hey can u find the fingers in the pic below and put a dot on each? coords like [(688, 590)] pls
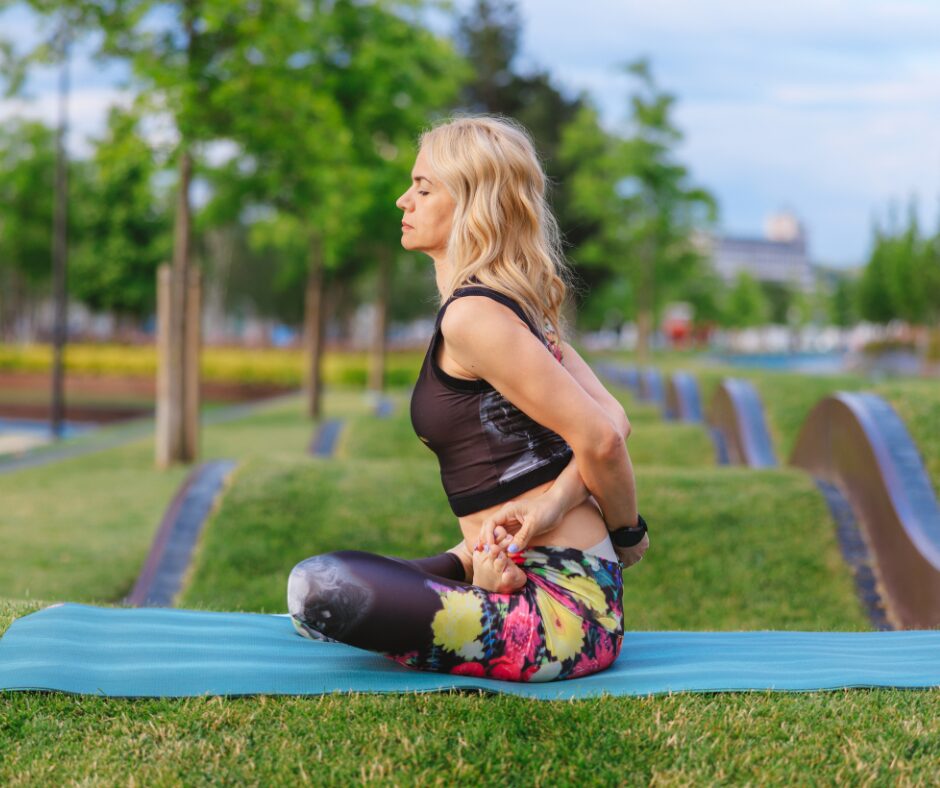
[(493, 531), (520, 540), (485, 536)]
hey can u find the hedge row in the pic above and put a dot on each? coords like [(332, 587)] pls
[(236, 365)]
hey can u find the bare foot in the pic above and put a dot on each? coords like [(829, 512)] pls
[(494, 571)]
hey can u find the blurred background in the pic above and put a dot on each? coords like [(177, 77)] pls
[(748, 183)]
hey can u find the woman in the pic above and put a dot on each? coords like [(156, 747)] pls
[(524, 433)]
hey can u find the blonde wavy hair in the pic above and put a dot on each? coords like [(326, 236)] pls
[(503, 234)]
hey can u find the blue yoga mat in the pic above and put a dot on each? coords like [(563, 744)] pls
[(157, 652)]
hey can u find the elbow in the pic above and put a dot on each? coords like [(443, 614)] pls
[(624, 426), (610, 445), (621, 422)]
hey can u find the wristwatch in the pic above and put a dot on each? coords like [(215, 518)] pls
[(628, 536)]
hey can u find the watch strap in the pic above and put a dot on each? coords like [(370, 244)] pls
[(628, 536)]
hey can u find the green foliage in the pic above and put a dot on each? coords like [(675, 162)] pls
[(746, 305), (636, 196), (706, 294), (843, 305), (126, 235), (779, 297), (488, 36), (27, 170), (902, 277), (327, 116), (608, 306)]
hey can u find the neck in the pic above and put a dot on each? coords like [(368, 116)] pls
[(443, 270)]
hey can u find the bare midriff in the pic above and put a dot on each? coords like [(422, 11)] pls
[(581, 527)]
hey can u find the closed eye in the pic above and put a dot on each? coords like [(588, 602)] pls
[(422, 192)]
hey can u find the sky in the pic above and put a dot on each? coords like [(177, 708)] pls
[(827, 108)]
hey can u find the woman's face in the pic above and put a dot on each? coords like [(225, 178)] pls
[(428, 211)]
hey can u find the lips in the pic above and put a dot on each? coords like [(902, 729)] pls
[(403, 225)]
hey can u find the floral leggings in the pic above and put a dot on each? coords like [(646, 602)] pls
[(566, 621)]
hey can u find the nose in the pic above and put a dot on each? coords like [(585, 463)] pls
[(403, 202)]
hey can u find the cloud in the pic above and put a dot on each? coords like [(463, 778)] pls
[(828, 106)]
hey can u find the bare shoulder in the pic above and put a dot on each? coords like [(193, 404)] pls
[(490, 341), (473, 316)]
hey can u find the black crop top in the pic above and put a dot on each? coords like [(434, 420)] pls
[(489, 450)]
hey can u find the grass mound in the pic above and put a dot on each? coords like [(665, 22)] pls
[(732, 549), (718, 534)]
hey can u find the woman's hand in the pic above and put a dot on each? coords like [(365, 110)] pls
[(523, 519), (630, 555)]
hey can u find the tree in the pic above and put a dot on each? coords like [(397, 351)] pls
[(126, 231), (747, 305), (906, 268), (177, 49), (69, 20), (488, 36), (705, 293), (398, 76), (639, 199), (780, 297), (874, 296), (327, 115), (27, 175), (843, 303)]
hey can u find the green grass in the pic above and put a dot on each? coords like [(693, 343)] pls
[(717, 535), (442, 739), (731, 549), (917, 402), (788, 399), (651, 442), (80, 529)]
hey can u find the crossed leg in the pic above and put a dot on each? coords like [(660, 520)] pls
[(371, 601)]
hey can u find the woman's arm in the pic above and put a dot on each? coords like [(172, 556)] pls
[(569, 489), (608, 474), (487, 339)]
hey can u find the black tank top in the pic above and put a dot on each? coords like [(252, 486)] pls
[(489, 450)]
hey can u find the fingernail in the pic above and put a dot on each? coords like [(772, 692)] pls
[(487, 548), (513, 548)]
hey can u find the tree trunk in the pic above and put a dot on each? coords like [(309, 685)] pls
[(7, 301), (645, 307), (644, 323), (60, 248), (175, 441), (313, 327), (379, 346)]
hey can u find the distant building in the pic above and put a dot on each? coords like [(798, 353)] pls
[(780, 256)]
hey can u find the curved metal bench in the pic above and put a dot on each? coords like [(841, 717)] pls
[(736, 414), (857, 443), (683, 402), (628, 377), (651, 386), (161, 578)]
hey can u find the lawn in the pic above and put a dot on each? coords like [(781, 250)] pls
[(731, 549), (788, 399), (80, 529)]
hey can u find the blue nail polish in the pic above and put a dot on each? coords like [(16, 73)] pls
[(513, 548), (486, 549)]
